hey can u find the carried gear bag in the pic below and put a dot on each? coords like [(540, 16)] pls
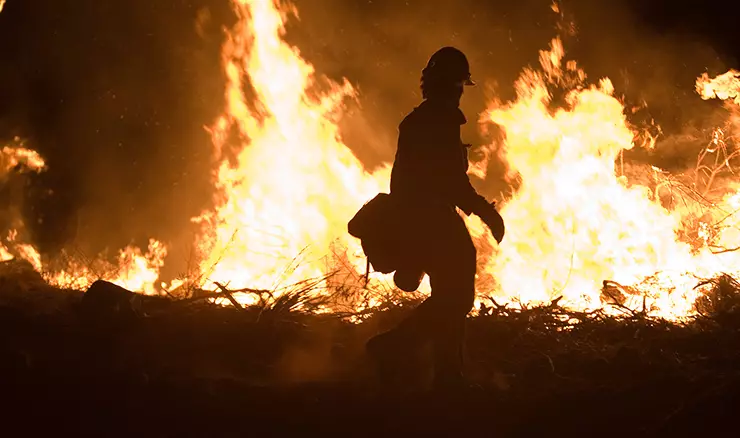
[(378, 226)]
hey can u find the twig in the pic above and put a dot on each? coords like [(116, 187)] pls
[(724, 250), (204, 295), (229, 296), (606, 290), (549, 359)]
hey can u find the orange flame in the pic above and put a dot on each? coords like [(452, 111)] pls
[(286, 185), (724, 87), (133, 269), (574, 223), (19, 156), (284, 203), (13, 158)]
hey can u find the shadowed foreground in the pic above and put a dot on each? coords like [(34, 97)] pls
[(202, 370)]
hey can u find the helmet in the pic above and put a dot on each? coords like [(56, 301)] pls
[(449, 63)]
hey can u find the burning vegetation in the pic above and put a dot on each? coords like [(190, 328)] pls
[(585, 230), (613, 271)]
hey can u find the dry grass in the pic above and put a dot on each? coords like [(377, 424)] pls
[(523, 354)]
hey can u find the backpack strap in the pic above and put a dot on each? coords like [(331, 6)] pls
[(367, 270)]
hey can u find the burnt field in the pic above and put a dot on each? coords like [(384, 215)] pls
[(194, 369)]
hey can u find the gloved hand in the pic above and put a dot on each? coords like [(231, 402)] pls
[(491, 217)]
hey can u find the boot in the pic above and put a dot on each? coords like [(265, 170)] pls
[(391, 354), (448, 367)]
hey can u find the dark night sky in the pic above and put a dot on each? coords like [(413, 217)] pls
[(116, 93)]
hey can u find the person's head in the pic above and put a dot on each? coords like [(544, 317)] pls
[(445, 75)]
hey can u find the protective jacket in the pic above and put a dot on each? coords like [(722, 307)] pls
[(432, 162)]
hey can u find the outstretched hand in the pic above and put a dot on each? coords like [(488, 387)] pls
[(493, 220)]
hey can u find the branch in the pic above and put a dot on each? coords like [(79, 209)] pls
[(724, 250), (229, 296)]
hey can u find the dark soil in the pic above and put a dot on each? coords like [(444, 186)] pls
[(203, 370)]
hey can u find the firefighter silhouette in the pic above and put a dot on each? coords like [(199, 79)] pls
[(428, 183)]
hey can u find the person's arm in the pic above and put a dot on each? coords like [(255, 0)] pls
[(448, 164)]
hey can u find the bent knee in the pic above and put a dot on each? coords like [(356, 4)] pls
[(463, 305)]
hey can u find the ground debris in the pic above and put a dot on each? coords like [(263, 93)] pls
[(537, 356)]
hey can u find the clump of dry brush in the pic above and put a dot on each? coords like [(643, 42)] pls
[(527, 350)]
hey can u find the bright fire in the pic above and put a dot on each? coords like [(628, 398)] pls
[(132, 269), (283, 204), (573, 222), (287, 185), (725, 86)]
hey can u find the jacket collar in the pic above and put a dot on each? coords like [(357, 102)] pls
[(444, 108)]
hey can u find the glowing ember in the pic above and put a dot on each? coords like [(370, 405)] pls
[(18, 156)]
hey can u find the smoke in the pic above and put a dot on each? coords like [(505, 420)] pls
[(381, 46), (115, 96)]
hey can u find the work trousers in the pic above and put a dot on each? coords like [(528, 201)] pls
[(441, 246)]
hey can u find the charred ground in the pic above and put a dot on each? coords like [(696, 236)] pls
[(188, 368)]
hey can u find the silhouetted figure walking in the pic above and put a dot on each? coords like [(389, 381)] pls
[(428, 182)]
